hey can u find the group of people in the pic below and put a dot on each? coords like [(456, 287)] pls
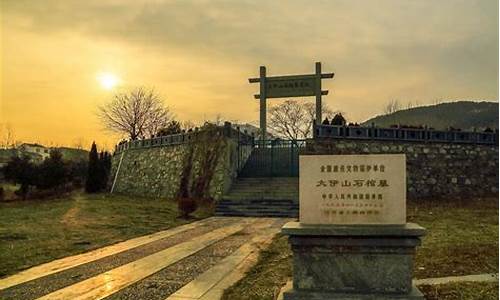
[(337, 120)]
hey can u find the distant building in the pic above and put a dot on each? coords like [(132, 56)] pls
[(36, 149)]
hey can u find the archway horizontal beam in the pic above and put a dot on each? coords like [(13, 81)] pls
[(324, 75), (324, 93)]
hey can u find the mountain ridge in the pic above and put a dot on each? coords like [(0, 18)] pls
[(465, 115)]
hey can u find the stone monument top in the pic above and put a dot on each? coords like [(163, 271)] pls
[(353, 189)]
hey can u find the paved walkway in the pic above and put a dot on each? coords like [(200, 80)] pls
[(471, 278), (193, 261)]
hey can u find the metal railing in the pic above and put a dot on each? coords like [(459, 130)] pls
[(270, 158), (405, 134), (180, 138)]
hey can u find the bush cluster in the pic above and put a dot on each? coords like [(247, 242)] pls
[(53, 174), (206, 148), (186, 206)]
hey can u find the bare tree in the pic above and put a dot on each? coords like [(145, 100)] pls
[(79, 143), (294, 120), (311, 112), (287, 120), (139, 113), (7, 136), (392, 106), (188, 124), (217, 120), (437, 101)]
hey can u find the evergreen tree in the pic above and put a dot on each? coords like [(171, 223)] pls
[(173, 127), (93, 181)]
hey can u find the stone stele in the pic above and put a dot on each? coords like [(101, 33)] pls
[(352, 241), (352, 189)]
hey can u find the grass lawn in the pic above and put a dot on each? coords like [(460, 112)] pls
[(462, 291), (462, 239), (9, 190), (265, 279), (9, 187), (34, 232)]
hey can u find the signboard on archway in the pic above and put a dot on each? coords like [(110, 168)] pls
[(289, 86)]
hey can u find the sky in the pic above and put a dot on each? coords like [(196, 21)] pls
[(198, 55)]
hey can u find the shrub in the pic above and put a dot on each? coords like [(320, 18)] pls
[(22, 171), (186, 206), (53, 172), (78, 172)]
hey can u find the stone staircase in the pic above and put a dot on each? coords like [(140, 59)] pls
[(271, 162), (261, 197)]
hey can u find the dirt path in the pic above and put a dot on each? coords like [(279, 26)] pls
[(70, 218)]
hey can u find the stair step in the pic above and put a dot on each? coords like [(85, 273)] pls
[(256, 207), (256, 203), (258, 200), (263, 214), (262, 196)]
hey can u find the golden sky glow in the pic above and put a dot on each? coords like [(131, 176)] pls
[(60, 59)]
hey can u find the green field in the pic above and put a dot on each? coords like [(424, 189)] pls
[(462, 239), (34, 232)]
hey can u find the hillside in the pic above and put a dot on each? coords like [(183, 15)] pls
[(73, 153), (465, 115)]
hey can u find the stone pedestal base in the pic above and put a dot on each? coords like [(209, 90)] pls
[(353, 262), (415, 294)]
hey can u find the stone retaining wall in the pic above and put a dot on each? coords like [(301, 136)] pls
[(157, 171), (434, 170)]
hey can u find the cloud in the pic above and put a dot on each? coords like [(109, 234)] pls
[(378, 49)]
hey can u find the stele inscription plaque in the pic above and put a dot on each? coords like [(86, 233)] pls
[(352, 189), (290, 86)]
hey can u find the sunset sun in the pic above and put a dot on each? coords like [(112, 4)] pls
[(107, 80)]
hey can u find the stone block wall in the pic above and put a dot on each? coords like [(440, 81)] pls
[(156, 171), (433, 170)]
